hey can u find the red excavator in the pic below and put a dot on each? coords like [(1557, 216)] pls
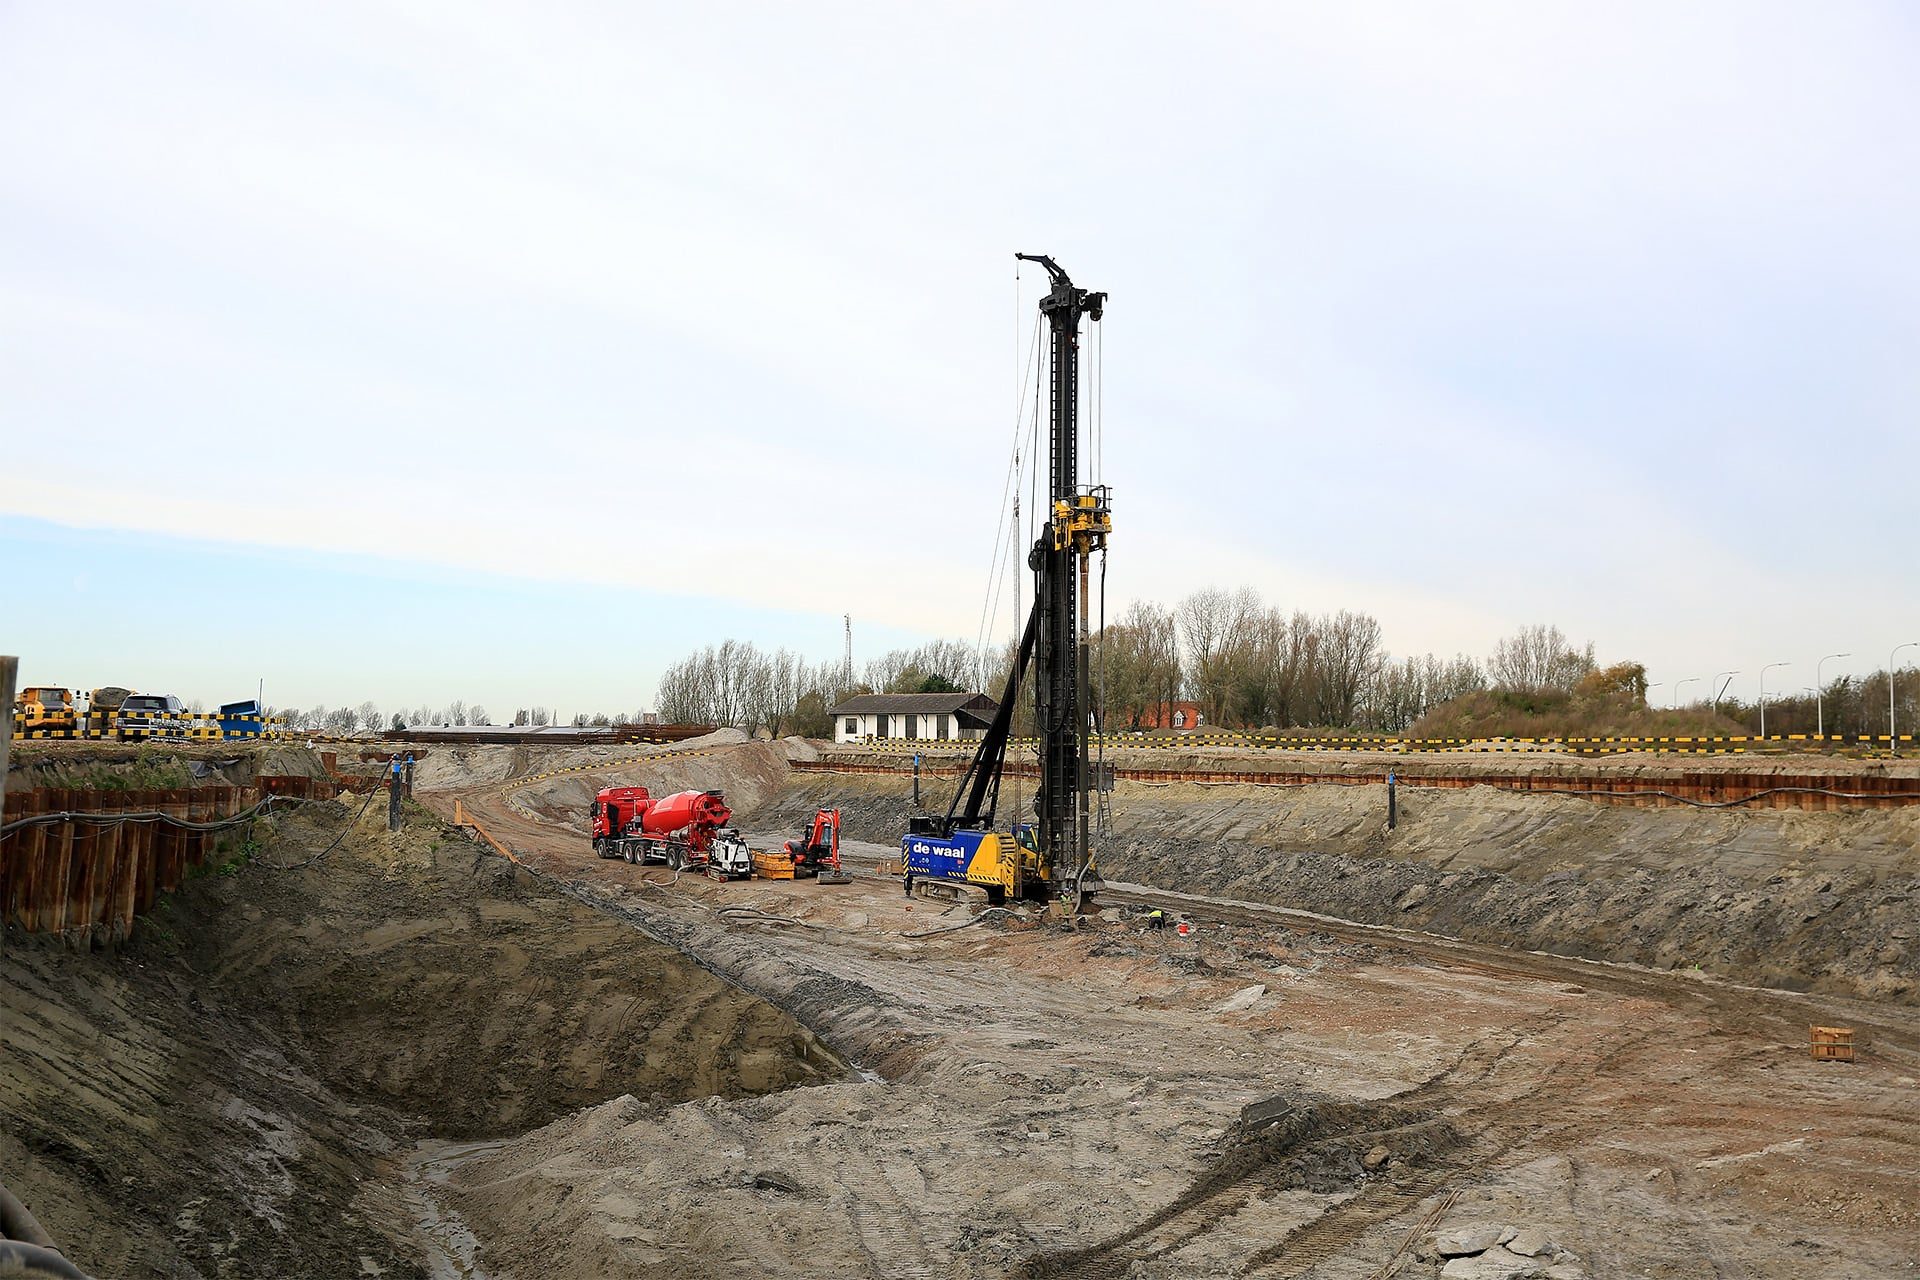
[(816, 850), (687, 831)]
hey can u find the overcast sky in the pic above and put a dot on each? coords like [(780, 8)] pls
[(412, 352)]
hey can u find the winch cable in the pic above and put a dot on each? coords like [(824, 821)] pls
[(1103, 798), (1010, 491)]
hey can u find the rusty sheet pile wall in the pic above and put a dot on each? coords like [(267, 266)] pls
[(115, 852)]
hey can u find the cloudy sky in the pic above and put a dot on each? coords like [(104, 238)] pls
[(421, 351)]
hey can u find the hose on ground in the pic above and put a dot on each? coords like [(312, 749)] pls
[(22, 1261), (351, 824), (965, 924), (26, 1250), (166, 819), (18, 1223), (741, 913)]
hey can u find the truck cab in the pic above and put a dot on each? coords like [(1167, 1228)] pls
[(611, 811)]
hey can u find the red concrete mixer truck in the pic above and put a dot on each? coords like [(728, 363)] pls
[(686, 831)]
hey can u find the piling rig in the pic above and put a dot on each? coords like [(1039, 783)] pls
[(960, 854)]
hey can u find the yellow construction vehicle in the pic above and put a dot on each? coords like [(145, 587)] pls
[(44, 711)]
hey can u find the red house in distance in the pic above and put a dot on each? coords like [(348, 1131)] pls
[(1171, 715)]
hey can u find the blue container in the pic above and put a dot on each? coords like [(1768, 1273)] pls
[(241, 719)]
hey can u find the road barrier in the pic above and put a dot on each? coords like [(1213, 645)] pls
[(1736, 744), (199, 727)]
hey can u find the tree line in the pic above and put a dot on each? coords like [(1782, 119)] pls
[(737, 683), (1246, 664)]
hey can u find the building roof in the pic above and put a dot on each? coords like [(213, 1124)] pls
[(925, 704)]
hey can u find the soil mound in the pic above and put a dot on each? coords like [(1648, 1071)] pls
[(749, 774)]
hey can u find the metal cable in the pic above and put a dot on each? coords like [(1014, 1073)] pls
[(351, 824), (1004, 553), (148, 815)]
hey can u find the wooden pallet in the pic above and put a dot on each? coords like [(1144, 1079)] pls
[(1832, 1044)]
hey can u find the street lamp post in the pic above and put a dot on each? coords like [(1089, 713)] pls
[(1763, 695), (1658, 684), (1893, 734), (1720, 688), (1820, 695), (1677, 686)]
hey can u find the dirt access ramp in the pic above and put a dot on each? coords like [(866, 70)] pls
[(241, 1090), (1800, 900)]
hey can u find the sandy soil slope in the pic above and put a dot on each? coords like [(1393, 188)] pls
[(239, 1091)]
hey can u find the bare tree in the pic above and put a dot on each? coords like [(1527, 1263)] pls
[(1347, 659), (1211, 623), (1538, 659)]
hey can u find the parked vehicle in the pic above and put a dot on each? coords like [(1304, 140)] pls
[(45, 711), (151, 715), (102, 705)]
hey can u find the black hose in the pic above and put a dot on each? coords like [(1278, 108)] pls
[(18, 1223), (351, 824), (22, 1261), (166, 819)]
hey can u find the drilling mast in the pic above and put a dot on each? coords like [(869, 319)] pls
[(1078, 523), (1054, 856)]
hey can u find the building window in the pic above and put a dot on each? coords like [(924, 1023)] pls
[(853, 726), (1179, 719)]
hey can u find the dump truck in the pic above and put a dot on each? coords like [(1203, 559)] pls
[(102, 705), (45, 711)]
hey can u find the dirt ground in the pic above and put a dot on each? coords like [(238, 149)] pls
[(414, 1058), (1261, 1099), (1802, 900), (241, 1090)]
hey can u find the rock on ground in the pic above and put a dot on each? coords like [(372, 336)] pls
[(1496, 1263)]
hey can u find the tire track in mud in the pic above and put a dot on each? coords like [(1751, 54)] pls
[(888, 1238), (1458, 1121)]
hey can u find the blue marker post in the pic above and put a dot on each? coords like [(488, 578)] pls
[(1393, 814), (393, 795)]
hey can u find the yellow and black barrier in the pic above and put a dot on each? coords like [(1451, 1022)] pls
[(1731, 744), (196, 726)]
